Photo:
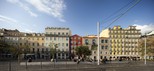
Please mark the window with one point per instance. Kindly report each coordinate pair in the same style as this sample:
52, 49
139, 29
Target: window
62, 44
42, 38
66, 33
62, 33
62, 54
54, 38
102, 47
66, 38
38, 50
58, 54
102, 41
46, 49
33, 50
42, 44
37, 44
93, 41
20, 44
101, 57
106, 41
66, 44
86, 41
94, 57
106, 47
42, 50
58, 33
33, 44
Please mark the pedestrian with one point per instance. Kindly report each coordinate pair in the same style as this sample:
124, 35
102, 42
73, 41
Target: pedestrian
51, 60
78, 61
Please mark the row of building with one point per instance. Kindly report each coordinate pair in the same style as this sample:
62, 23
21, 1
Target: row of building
115, 42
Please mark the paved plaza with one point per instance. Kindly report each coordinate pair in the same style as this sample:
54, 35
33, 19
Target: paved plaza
73, 66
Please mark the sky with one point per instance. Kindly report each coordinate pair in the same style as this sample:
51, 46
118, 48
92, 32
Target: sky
81, 16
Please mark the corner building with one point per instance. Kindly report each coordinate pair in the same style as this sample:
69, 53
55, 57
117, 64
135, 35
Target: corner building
123, 42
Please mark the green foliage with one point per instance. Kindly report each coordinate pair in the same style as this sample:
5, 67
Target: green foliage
83, 51
52, 51
94, 47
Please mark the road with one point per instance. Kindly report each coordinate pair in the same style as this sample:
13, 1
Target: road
71, 66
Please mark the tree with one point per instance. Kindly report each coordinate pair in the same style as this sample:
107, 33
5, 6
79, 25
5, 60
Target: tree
94, 47
149, 46
53, 47
83, 51
52, 52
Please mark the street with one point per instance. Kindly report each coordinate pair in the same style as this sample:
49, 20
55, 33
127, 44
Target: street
83, 66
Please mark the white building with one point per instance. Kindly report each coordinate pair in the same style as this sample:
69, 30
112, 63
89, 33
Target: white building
60, 37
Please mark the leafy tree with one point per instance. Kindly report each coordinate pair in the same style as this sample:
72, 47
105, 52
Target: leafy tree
53, 49
94, 47
149, 46
52, 52
83, 51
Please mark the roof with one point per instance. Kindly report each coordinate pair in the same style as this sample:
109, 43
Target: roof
151, 33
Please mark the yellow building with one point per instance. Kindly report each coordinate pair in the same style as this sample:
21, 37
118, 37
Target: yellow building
124, 42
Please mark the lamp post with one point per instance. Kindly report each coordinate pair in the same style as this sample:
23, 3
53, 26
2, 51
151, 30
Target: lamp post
145, 51
98, 55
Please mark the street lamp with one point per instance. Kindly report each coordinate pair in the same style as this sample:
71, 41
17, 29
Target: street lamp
145, 51
98, 55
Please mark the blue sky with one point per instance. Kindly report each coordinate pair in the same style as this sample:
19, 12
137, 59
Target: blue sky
80, 16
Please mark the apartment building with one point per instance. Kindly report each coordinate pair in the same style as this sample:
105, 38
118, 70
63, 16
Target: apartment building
123, 42
75, 41
58, 36
92, 42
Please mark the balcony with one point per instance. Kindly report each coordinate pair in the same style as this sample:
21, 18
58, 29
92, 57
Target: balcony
56, 35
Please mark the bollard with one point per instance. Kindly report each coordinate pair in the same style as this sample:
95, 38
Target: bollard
10, 65
41, 64
26, 65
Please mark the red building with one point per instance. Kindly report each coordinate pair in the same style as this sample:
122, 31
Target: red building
75, 41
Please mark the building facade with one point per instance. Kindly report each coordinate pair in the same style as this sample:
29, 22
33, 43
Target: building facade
92, 42
39, 45
60, 37
123, 42
75, 41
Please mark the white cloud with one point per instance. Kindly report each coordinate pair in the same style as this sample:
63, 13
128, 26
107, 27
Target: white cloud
16, 24
145, 28
7, 19
29, 31
50, 7
24, 6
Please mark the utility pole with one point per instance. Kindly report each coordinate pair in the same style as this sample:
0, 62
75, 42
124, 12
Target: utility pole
145, 52
98, 56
